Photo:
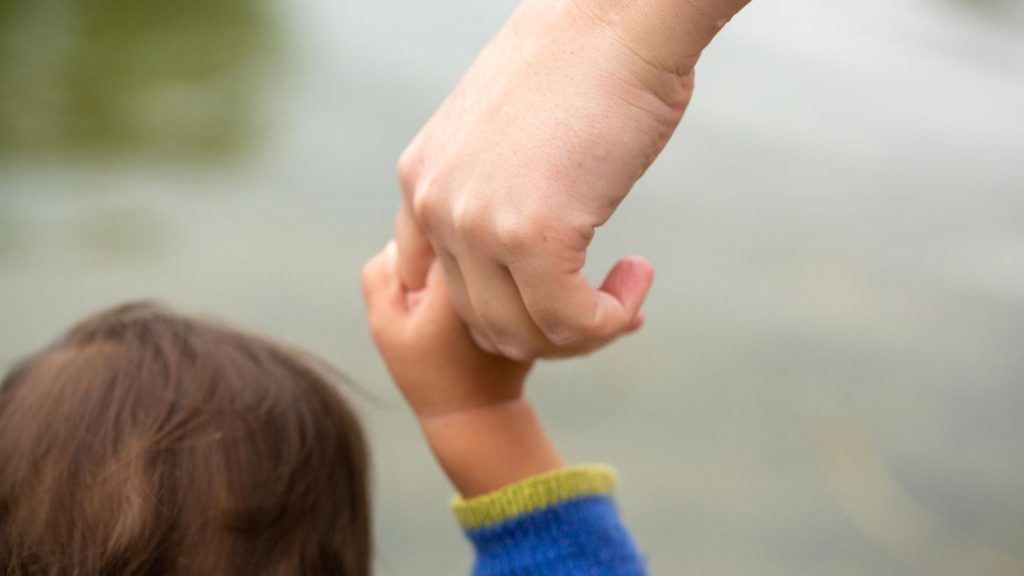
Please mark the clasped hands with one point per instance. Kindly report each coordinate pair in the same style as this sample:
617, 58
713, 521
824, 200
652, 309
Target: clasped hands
544, 136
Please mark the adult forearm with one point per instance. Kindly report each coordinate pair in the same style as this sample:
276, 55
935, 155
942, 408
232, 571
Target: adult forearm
667, 34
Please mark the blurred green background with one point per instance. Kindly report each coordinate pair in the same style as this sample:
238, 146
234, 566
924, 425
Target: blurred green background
831, 380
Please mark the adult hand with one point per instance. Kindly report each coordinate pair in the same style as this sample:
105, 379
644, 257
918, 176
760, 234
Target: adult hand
534, 149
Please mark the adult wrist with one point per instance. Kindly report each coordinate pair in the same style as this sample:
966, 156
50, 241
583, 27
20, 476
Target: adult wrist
667, 34
643, 45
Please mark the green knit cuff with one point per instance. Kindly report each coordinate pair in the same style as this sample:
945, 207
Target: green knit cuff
532, 494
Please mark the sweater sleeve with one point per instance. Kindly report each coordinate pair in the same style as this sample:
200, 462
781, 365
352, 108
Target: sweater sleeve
557, 524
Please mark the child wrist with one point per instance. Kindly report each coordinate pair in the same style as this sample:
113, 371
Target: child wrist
490, 447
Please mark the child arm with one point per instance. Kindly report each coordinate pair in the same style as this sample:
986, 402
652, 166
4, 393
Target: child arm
469, 404
523, 510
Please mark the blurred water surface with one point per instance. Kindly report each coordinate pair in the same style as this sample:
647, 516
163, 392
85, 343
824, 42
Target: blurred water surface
830, 381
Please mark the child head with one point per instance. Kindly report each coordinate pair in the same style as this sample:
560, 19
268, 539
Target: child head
144, 442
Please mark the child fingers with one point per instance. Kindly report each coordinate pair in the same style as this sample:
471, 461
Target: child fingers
381, 288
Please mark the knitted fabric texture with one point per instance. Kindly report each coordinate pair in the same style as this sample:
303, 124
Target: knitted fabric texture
557, 524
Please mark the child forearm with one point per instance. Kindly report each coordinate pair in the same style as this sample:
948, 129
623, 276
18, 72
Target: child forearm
487, 448
525, 513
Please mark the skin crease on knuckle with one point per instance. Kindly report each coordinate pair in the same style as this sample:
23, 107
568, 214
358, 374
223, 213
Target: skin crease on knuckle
516, 351
562, 336
507, 341
481, 341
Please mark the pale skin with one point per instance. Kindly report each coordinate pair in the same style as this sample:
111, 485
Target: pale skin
543, 137
470, 404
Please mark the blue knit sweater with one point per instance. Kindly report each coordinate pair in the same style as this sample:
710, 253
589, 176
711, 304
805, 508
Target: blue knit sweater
558, 524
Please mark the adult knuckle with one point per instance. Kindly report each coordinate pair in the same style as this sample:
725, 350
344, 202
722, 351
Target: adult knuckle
426, 207
408, 169
512, 232
488, 229
516, 235
431, 196
469, 221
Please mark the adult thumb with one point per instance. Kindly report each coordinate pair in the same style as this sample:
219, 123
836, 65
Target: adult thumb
629, 281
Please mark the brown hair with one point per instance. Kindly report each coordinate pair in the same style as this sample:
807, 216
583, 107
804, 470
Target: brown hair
144, 442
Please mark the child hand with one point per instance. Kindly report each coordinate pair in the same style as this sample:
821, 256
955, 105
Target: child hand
469, 403
428, 349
